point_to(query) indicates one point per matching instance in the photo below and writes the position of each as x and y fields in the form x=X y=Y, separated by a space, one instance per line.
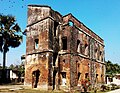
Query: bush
x=112 y=86
x=103 y=87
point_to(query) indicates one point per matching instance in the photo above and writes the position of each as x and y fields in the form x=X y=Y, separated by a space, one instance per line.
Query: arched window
x=71 y=23
x=86 y=75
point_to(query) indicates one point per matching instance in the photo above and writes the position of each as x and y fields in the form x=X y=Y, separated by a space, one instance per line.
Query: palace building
x=61 y=51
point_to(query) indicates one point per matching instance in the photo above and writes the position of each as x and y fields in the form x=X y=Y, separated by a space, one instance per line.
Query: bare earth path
x=14 y=88
x=22 y=89
x=10 y=88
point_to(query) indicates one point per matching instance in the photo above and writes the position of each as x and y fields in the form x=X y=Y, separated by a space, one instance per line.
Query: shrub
x=103 y=87
x=85 y=83
x=114 y=86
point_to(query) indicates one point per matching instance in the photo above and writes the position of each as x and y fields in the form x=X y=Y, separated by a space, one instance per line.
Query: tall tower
x=41 y=46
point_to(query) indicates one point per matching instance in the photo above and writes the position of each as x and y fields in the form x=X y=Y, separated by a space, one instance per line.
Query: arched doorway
x=35 y=78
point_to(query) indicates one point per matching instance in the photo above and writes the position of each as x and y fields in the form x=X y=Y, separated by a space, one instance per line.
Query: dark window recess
x=63 y=74
x=54 y=58
x=78 y=42
x=55 y=27
x=96 y=75
x=64 y=60
x=79 y=75
x=98 y=56
x=77 y=62
x=100 y=52
x=88 y=64
x=71 y=23
x=86 y=75
x=36 y=43
x=64 y=43
x=96 y=50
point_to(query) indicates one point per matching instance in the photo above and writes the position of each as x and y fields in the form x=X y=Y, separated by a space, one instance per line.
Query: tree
x=11 y=66
x=20 y=70
x=10 y=35
x=0 y=66
x=108 y=67
x=111 y=68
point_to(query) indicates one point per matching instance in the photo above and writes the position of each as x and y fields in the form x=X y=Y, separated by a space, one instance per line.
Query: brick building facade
x=61 y=51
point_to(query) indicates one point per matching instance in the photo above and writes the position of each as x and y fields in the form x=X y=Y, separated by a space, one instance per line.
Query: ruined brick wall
x=89 y=48
x=61 y=51
x=36 y=46
x=42 y=45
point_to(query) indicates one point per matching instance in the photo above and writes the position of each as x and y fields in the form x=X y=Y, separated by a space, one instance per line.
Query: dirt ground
x=23 y=89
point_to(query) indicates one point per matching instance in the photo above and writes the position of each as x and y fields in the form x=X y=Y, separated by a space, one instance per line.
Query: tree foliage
x=112 y=68
x=20 y=68
x=10 y=34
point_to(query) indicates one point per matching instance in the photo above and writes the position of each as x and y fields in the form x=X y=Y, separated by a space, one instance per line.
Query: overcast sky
x=101 y=16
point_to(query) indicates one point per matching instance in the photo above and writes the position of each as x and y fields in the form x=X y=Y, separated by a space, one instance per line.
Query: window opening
x=54 y=58
x=63 y=78
x=36 y=43
x=86 y=75
x=98 y=54
x=96 y=78
x=96 y=75
x=95 y=50
x=64 y=42
x=71 y=23
x=78 y=45
x=79 y=75
x=55 y=27
x=63 y=74
x=64 y=60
